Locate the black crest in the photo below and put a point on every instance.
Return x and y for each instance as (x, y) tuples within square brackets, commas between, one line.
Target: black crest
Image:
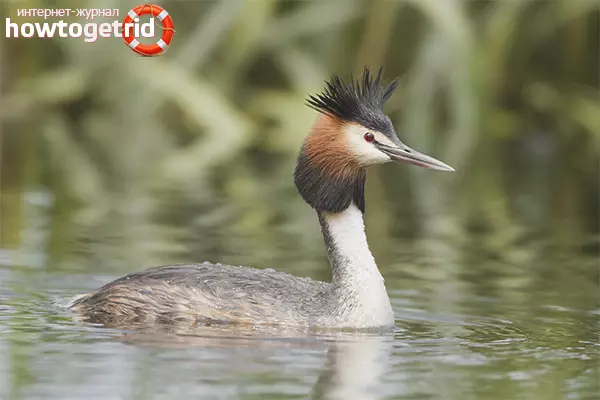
[(360, 101)]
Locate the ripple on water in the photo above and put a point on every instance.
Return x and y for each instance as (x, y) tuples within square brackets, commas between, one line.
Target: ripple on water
[(428, 353)]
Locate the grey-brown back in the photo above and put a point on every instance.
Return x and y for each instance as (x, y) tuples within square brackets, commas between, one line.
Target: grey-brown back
[(207, 293)]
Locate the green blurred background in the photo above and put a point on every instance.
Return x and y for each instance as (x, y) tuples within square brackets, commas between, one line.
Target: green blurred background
[(504, 91), (110, 163)]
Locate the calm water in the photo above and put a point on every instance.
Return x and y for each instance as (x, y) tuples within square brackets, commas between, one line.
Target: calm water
[(477, 318)]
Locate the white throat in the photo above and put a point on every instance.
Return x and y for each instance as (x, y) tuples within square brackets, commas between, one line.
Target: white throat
[(359, 289)]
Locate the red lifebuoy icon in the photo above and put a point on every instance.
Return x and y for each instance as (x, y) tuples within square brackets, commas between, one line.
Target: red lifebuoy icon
[(167, 25)]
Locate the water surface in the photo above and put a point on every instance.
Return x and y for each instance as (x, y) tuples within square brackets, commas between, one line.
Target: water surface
[(474, 321)]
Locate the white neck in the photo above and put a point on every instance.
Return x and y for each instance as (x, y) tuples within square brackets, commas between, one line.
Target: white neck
[(359, 289)]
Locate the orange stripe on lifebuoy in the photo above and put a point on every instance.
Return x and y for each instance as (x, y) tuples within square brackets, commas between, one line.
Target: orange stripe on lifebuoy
[(167, 25)]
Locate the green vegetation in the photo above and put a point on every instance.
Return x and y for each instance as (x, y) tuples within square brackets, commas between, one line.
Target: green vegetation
[(504, 91)]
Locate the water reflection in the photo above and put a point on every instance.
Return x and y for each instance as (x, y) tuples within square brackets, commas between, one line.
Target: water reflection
[(431, 354), (354, 367), (489, 316)]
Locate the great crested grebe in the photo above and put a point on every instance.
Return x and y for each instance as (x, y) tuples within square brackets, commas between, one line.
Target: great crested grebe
[(351, 134)]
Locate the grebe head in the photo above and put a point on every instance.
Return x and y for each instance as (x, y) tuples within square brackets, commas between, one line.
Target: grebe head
[(351, 134)]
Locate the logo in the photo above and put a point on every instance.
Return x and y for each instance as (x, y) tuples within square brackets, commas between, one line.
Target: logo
[(130, 28), (130, 25)]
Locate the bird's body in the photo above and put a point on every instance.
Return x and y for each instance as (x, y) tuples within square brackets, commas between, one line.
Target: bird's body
[(207, 293), (214, 293), (351, 134)]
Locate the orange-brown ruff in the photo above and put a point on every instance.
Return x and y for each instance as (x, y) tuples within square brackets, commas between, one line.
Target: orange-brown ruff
[(351, 134), (328, 176), (327, 149)]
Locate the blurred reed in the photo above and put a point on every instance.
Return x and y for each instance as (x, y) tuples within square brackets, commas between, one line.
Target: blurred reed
[(505, 91)]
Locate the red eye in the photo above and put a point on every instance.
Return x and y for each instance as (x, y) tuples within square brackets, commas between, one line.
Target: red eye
[(369, 137)]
